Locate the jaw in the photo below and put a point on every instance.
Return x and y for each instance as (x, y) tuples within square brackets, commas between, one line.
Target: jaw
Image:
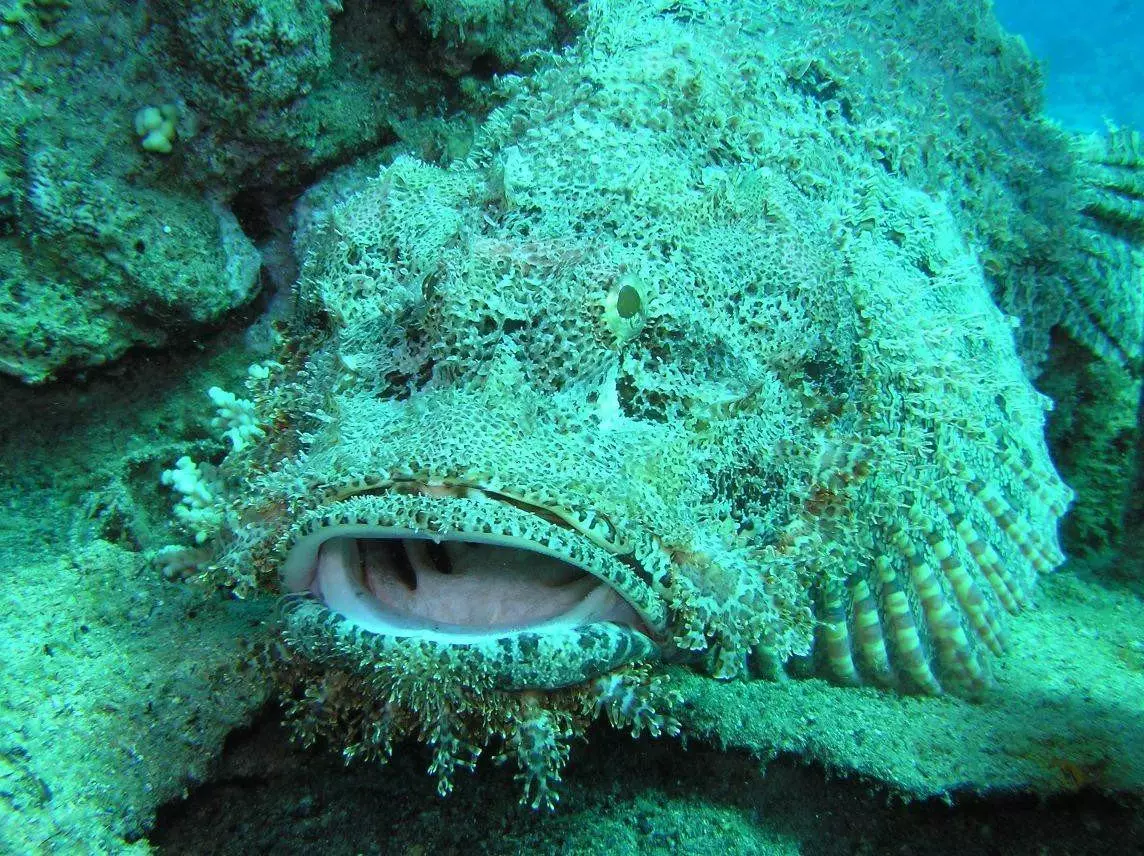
[(518, 587), (456, 589)]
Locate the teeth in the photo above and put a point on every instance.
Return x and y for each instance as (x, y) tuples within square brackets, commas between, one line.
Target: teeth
[(439, 554), (417, 552), (393, 558), (338, 554)]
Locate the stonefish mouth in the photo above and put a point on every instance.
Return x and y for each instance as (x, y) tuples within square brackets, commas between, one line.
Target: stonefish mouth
[(537, 601)]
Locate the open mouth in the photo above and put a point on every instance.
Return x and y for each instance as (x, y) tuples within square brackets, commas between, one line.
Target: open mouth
[(470, 568), (450, 588)]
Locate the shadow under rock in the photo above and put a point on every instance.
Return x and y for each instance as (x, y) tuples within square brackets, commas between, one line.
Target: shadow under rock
[(619, 796)]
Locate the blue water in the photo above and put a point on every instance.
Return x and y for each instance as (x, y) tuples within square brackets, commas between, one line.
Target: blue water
[(1093, 51)]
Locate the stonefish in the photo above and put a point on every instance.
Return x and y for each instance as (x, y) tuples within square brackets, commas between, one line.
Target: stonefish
[(668, 370)]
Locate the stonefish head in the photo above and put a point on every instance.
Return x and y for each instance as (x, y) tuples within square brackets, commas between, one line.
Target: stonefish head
[(663, 372)]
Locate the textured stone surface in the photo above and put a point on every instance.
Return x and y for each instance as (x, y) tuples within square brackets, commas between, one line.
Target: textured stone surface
[(103, 246)]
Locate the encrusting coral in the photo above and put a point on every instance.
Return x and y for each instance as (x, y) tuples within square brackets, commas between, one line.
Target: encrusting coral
[(667, 371)]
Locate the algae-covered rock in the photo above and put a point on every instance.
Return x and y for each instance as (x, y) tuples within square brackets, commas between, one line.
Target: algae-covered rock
[(117, 686), (99, 266), (283, 89), (104, 245), (262, 54), (1095, 435)]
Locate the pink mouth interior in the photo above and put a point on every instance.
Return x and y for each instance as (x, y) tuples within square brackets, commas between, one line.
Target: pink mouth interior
[(414, 585)]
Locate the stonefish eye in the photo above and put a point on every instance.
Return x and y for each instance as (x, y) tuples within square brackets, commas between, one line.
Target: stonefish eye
[(625, 308)]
